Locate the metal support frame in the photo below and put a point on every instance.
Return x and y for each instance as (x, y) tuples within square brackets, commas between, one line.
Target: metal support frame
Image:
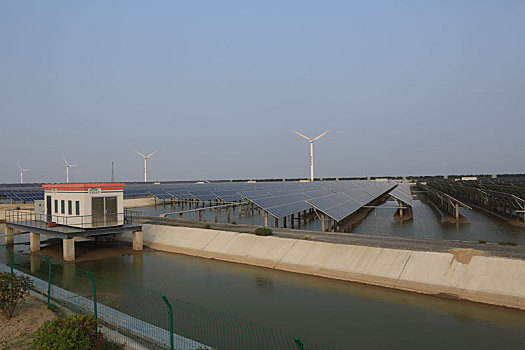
[(94, 294), (170, 311)]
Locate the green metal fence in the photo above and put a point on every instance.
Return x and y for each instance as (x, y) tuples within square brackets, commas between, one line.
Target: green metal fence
[(144, 315)]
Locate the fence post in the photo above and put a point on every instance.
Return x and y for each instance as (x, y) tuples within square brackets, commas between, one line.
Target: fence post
[(299, 343), (11, 254), (48, 281), (170, 311), (94, 294)]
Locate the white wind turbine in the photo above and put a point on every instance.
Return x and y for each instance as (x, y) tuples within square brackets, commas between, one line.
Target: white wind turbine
[(67, 169), (22, 173), (312, 150), (146, 163)]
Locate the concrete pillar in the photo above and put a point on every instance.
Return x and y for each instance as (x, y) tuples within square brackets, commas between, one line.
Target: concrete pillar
[(265, 219), (284, 222), (10, 236), (137, 240), (276, 222), (215, 214), (456, 209), (304, 217), (200, 215), (68, 249), (180, 216), (34, 241), (228, 213), (322, 222), (240, 211), (34, 262), (292, 221)]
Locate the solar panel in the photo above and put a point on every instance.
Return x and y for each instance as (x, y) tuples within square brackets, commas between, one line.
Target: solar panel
[(402, 193)]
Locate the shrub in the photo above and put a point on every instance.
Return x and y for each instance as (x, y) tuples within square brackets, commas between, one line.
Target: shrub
[(263, 231), (233, 222), (74, 332), (508, 243), (13, 289), (482, 241), (207, 226)]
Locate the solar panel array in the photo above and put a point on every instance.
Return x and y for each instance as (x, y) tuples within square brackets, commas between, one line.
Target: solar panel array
[(402, 193), (336, 199), (22, 193)]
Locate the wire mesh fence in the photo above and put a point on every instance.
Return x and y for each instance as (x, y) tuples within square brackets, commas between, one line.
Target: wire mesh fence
[(141, 315)]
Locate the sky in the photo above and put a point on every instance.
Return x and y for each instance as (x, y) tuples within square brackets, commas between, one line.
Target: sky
[(408, 87)]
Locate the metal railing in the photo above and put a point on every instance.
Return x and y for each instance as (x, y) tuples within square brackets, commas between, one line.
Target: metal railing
[(69, 223)]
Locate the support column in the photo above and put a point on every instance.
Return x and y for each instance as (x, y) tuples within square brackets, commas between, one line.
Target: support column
[(456, 209), (292, 221), (276, 222), (34, 241), (284, 222), (200, 215), (228, 213), (240, 211), (265, 219), (34, 262), (304, 217), (137, 240), (180, 216), (10, 236), (68, 249), (322, 222), (216, 216)]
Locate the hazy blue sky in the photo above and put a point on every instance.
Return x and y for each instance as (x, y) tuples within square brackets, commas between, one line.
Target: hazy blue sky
[(409, 87)]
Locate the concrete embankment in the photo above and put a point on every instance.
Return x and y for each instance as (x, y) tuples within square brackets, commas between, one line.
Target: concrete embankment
[(139, 202), (460, 273)]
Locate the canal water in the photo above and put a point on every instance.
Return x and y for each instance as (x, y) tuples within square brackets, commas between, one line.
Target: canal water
[(335, 313)]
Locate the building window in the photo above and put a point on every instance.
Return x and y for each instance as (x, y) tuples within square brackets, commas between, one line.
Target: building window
[(62, 207), (77, 207), (56, 206), (70, 207)]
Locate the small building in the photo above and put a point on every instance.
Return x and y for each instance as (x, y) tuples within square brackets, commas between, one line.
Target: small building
[(88, 210), (86, 205)]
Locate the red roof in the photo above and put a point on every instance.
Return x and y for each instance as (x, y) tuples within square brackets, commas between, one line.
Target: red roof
[(87, 185)]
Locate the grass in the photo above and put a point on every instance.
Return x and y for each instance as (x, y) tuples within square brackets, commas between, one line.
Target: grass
[(482, 241), (263, 231)]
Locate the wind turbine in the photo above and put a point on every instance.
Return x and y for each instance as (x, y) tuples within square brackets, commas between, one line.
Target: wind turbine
[(22, 173), (312, 150), (146, 163), (67, 169)]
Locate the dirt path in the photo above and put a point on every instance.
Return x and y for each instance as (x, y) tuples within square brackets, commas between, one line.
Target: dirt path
[(28, 317)]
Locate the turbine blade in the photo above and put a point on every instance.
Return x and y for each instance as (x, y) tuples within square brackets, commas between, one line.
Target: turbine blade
[(73, 165), (143, 156), (19, 167), (152, 154), (324, 133), (301, 135), (65, 161)]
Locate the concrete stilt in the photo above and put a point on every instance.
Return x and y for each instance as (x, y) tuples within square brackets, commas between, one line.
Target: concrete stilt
[(34, 262), (137, 240), (10, 236), (240, 211), (180, 216), (304, 217), (292, 221), (200, 215), (322, 222), (284, 222), (68, 249), (228, 213), (276, 222), (34, 241), (265, 219), (216, 216)]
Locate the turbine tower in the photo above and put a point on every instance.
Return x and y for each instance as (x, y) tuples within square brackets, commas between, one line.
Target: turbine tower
[(312, 150), (146, 163), (22, 173), (67, 169)]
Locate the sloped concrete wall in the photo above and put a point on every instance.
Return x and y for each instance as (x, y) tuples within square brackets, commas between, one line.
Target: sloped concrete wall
[(470, 276), (139, 202)]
